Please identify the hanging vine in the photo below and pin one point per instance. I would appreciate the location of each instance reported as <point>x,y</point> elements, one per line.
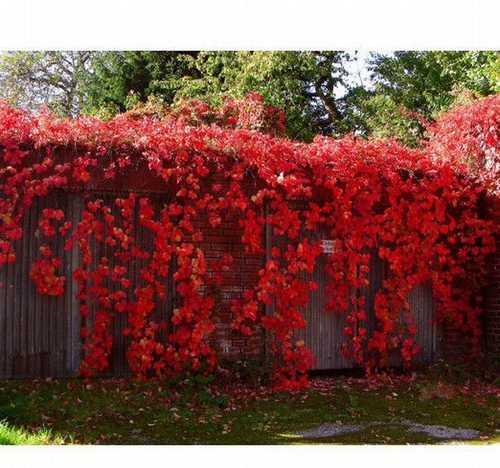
<point>423,218</point>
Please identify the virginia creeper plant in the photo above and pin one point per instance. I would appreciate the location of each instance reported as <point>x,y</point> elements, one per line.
<point>420,215</point>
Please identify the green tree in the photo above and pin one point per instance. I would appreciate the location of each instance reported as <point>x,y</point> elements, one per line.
<point>406,85</point>
<point>304,84</point>
<point>427,82</point>
<point>119,80</point>
<point>301,83</point>
<point>404,90</point>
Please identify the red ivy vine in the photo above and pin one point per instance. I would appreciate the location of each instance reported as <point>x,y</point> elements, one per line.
<point>423,218</point>
<point>470,135</point>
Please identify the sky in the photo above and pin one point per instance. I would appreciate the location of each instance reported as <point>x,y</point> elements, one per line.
<point>358,72</point>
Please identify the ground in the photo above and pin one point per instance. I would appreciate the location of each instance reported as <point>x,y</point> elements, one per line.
<point>196,411</point>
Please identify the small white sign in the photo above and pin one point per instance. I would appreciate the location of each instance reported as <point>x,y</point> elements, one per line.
<point>328,246</point>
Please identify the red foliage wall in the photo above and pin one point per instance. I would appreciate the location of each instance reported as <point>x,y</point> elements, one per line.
<point>469,135</point>
<point>492,300</point>
<point>425,217</point>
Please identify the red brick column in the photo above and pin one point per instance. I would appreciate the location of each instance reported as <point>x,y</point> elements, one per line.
<point>453,345</point>
<point>492,296</point>
<point>492,309</point>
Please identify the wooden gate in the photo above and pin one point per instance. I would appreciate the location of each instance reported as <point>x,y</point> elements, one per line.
<point>323,334</point>
<point>324,331</point>
<point>39,335</point>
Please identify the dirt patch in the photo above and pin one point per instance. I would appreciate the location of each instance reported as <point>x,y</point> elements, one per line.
<point>443,432</point>
<point>439,432</point>
<point>330,430</point>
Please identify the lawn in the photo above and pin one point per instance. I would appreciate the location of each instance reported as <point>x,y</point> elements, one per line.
<point>113,411</point>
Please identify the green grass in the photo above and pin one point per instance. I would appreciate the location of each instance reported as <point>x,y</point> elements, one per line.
<point>10,435</point>
<point>130,412</point>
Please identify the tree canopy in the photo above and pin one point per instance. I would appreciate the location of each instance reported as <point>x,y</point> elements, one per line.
<point>301,83</point>
<point>406,90</point>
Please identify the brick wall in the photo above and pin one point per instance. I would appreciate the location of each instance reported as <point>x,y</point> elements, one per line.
<point>492,309</point>
<point>492,303</point>
<point>243,274</point>
<point>453,345</point>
